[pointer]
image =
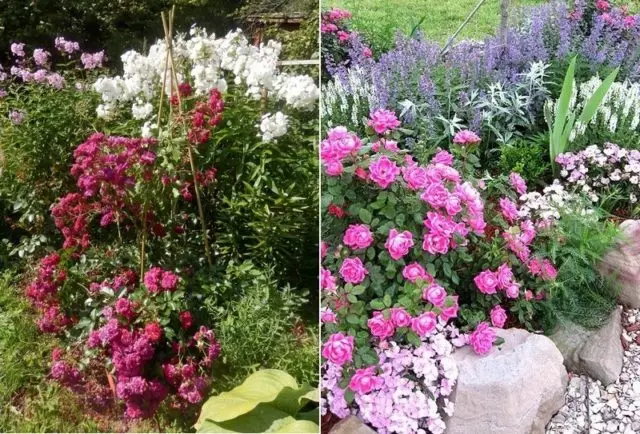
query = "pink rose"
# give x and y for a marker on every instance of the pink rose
(380, 327)
(443, 157)
(398, 243)
(383, 120)
(327, 316)
(434, 294)
(400, 317)
(414, 272)
(327, 280)
(477, 225)
(334, 168)
(358, 236)
(509, 209)
(513, 290)
(549, 272)
(487, 282)
(498, 316)
(518, 184)
(415, 176)
(535, 266)
(435, 243)
(439, 224)
(391, 145)
(482, 338)
(504, 276)
(361, 173)
(528, 231)
(366, 52)
(353, 271)
(365, 380)
(449, 309)
(435, 195)
(424, 324)
(324, 247)
(453, 205)
(383, 171)
(528, 295)
(338, 348)
(466, 137)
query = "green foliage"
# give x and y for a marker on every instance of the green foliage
(265, 206)
(105, 24)
(259, 324)
(580, 293)
(528, 157)
(564, 121)
(267, 401)
(42, 144)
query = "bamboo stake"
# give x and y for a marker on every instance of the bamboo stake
(462, 26)
(167, 23)
(144, 205)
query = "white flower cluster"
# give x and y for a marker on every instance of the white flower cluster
(619, 111)
(546, 205)
(207, 62)
(273, 126)
(348, 102)
(597, 171)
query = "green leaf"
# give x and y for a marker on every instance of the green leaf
(357, 290)
(365, 215)
(260, 387)
(353, 319)
(377, 304)
(299, 426)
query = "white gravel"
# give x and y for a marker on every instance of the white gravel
(591, 408)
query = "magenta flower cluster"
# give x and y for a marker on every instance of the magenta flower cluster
(105, 169)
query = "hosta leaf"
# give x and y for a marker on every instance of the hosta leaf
(260, 387)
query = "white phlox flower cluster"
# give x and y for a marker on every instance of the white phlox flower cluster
(206, 62)
(273, 126)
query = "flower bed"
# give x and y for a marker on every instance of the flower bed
(442, 221)
(150, 227)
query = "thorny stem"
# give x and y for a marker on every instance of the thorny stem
(168, 30)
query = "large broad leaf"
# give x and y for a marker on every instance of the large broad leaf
(267, 386)
(299, 426)
(263, 418)
(311, 415)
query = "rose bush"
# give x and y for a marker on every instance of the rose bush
(414, 255)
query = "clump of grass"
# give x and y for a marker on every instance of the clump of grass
(380, 21)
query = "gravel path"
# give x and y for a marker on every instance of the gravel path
(591, 408)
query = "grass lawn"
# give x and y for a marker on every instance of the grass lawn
(379, 20)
